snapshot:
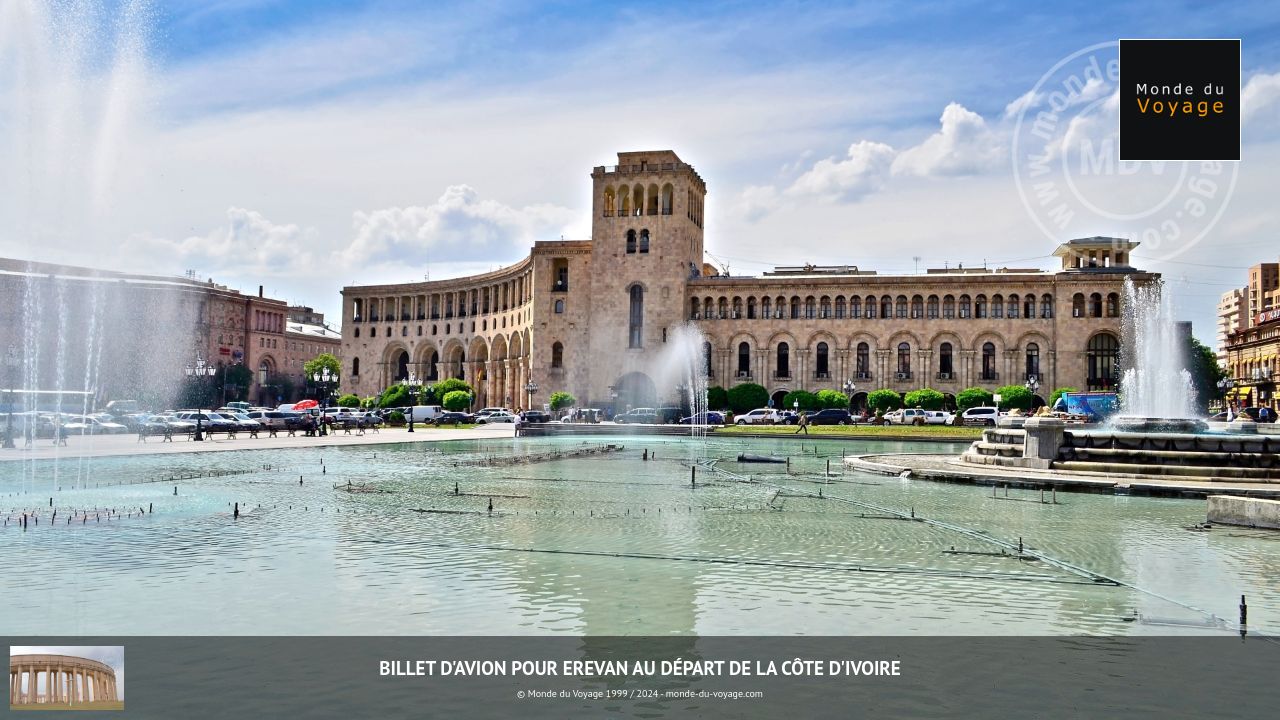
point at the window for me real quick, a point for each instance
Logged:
(635, 334)
(357, 332)
(744, 360)
(631, 242)
(839, 307)
(949, 307)
(1033, 361)
(988, 361)
(751, 308)
(557, 355)
(766, 308)
(855, 307)
(864, 360)
(886, 307)
(945, 363)
(932, 308)
(355, 367)
(1077, 305)
(373, 332)
(980, 306)
(795, 308)
(559, 307)
(1095, 305)
(821, 364)
(1103, 352)
(644, 242)
(1046, 306)
(1029, 307)
(917, 307)
(1113, 305)
(1013, 307)
(964, 306)
(997, 306)
(904, 359)
(784, 361)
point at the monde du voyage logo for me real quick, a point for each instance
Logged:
(1180, 100)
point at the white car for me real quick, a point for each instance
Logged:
(938, 417)
(759, 416)
(907, 416)
(496, 417)
(893, 417)
(981, 416)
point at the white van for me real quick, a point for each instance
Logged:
(426, 413)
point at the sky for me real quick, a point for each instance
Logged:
(308, 145)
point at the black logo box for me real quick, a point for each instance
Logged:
(1157, 80)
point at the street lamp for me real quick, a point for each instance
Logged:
(409, 383)
(1033, 385)
(1225, 385)
(10, 362)
(849, 387)
(323, 378)
(199, 370)
(531, 388)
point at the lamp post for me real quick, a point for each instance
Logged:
(531, 388)
(849, 387)
(323, 378)
(409, 383)
(10, 362)
(1225, 385)
(1033, 385)
(198, 371)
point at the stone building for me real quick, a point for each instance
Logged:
(593, 317)
(1250, 349)
(306, 335)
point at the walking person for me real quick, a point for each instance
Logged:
(802, 423)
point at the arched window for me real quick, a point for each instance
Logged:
(706, 360)
(653, 200)
(559, 306)
(904, 360)
(820, 366)
(637, 200)
(1103, 352)
(945, 363)
(667, 193)
(722, 308)
(355, 367)
(964, 306)
(864, 361)
(357, 332)
(1095, 305)
(949, 307)
(1029, 307)
(824, 307)
(737, 308)
(373, 332)
(624, 208)
(917, 307)
(1077, 305)
(1014, 304)
(644, 242)
(751, 308)
(1113, 305)
(635, 330)
(1033, 361)
(886, 307)
(980, 306)
(610, 201)
(631, 242)
(557, 355)
(402, 365)
(744, 359)
(932, 308)
(795, 308)
(840, 307)
(989, 361)
(784, 361)
(997, 306)
(900, 307)
(433, 367)
(766, 308)
(1046, 306)
(780, 307)
(809, 309)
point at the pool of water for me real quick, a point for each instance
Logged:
(600, 545)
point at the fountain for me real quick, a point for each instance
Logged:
(1157, 394)
(682, 365)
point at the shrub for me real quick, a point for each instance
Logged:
(832, 399)
(456, 400)
(395, 396)
(1053, 399)
(349, 401)
(1015, 396)
(717, 398)
(562, 400)
(803, 398)
(448, 385)
(396, 417)
(972, 397)
(747, 397)
(883, 400)
(926, 398)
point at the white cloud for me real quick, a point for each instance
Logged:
(1258, 98)
(459, 226)
(247, 244)
(757, 201)
(963, 146)
(863, 171)
(1025, 101)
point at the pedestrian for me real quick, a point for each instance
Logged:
(802, 424)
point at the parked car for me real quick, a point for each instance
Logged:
(710, 417)
(496, 417)
(907, 416)
(637, 415)
(454, 418)
(980, 416)
(90, 425)
(153, 425)
(938, 417)
(831, 416)
(759, 416)
(242, 420)
(273, 419)
(535, 416)
(1259, 414)
(423, 413)
(668, 415)
(492, 410)
(208, 420)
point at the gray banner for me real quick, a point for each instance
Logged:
(711, 677)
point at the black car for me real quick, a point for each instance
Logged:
(831, 416)
(454, 418)
(535, 416)
(637, 415)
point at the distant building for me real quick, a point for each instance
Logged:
(1233, 316)
(595, 317)
(306, 336)
(1250, 349)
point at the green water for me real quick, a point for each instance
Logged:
(598, 545)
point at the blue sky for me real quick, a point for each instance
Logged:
(306, 145)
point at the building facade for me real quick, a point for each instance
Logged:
(306, 335)
(1249, 351)
(598, 317)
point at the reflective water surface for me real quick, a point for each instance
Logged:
(601, 544)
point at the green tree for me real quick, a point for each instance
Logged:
(805, 399)
(319, 363)
(1015, 396)
(1205, 373)
(448, 385)
(349, 401)
(370, 402)
(883, 400)
(926, 398)
(972, 397)
(236, 379)
(717, 398)
(560, 400)
(747, 397)
(456, 400)
(832, 399)
(1053, 399)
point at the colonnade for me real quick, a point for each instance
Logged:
(58, 679)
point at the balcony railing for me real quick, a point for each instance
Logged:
(989, 376)
(862, 375)
(784, 376)
(822, 375)
(945, 376)
(743, 375)
(902, 375)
